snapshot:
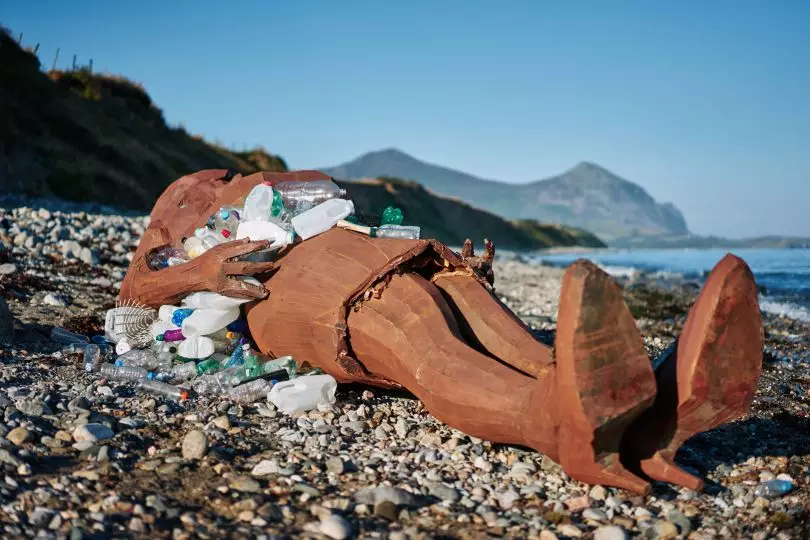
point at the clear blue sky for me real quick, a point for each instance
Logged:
(705, 104)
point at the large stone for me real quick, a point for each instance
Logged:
(92, 432)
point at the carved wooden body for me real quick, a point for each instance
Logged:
(414, 314)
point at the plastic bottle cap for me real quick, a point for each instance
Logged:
(119, 363)
(224, 214)
(150, 376)
(183, 395)
(226, 233)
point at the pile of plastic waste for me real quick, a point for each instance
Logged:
(203, 347)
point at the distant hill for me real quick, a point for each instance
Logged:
(452, 221)
(86, 137)
(586, 196)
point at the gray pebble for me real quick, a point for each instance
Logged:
(444, 492)
(335, 465)
(336, 527)
(195, 445)
(244, 483)
(92, 432)
(32, 407)
(610, 532)
(399, 497)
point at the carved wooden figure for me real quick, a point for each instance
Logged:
(414, 314)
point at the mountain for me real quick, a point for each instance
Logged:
(88, 137)
(586, 196)
(452, 221)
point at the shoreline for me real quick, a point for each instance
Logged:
(265, 473)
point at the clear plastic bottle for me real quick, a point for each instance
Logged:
(265, 230)
(66, 337)
(78, 348)
(225, 221)
(142, 358)
(237, 358)
(184, 371)
(128, 373)
(193, 246)
(203, 322)
(212, 300)
(249, 392)
(92, 357)
(287, 363)
(301, 196)
(405, 232)
(166, 257)
(303, 394)
(771, 489)
(214, 383)
(164, 389)
(321, 218)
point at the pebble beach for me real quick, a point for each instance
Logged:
(84, 457)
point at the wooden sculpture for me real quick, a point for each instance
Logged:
(414, 314)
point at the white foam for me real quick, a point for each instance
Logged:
(788, 309)
(619, 271)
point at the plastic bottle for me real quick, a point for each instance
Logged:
(405, 232)
(184, 371)
(167, 257)
(66, 337)
(209, 238)
(303, 394)
(237, 358)
(164, 389)
(158, 328)
(321, 218)
(175, 334)
(194, 247)
(78, 348)
(772, 489)
(301, 196)
(92, 357)
(129, 373)
(203, 322)
(123, 346)
(265, 230)
(214, 383)
(287, 363)
(249, 392)
(143, 358)
(180, 314)
(225, 221)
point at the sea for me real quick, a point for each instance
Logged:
(783, 275)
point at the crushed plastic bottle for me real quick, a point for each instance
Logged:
(92, 357)
(321, 218)
(391, 216)
(172, 335)
(225, 221)
(237, 358)
(773, 489)
(405, 232)
(249, 392)
(287, 363)
(214, 383)
(127, 373)
(145, 358)
(203, 322)
(164, 389)
(299, 197)
(265, 230)
(66, 337)
(167, 257)
(303, 394)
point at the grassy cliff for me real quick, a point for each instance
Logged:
(87, 137)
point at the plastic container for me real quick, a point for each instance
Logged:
(128, 373)
(773, 489)
(321, 218)
(258, 203)
(265, 230)
(203, 322)
(166, 257)
(304, 393)
(301, 196)
(180, 315)
(212, 300)
(92, 357)
(164, 389)
(405, 232)
(66, 337)
(249, 392)
(197, 347)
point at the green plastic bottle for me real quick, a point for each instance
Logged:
(391, 216)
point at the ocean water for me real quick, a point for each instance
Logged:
(784, 273)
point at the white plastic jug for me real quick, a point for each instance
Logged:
(207, 321)
(321, 218)
(265, 230)
(258, 203)
(212, 300)
(196, 347)
(304, 393)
